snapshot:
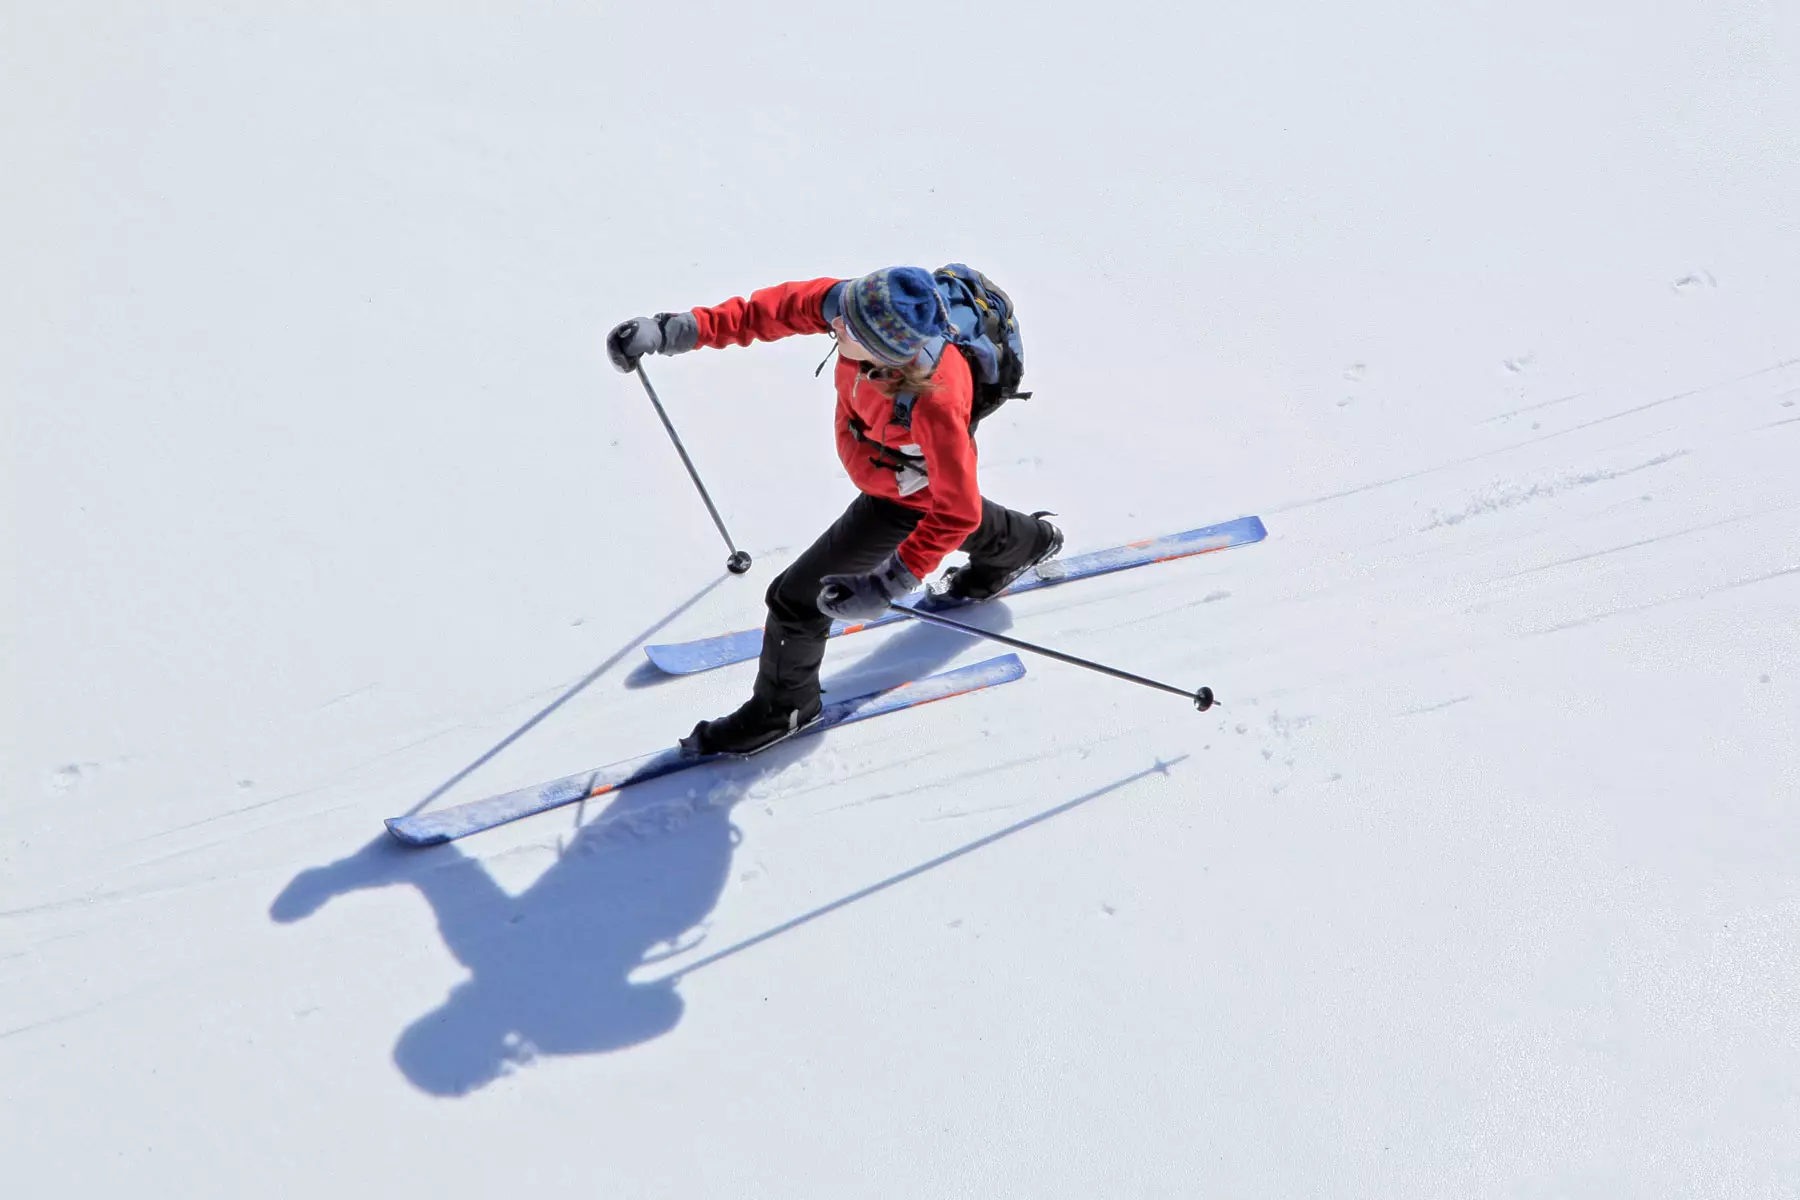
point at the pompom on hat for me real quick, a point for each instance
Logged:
(894, 312)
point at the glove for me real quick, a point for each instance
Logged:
(865, 597)
(665, 333)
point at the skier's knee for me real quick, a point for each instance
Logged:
(794, 601)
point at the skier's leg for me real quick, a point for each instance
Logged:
(786, 693)
(1003, 547)
(794, 635)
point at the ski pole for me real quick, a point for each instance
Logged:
(739, 562)
(1203, 699)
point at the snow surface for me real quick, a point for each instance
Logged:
(321, 503)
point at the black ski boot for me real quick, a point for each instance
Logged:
(756, 725)
(983, 581)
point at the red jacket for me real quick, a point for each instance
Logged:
(951, 502)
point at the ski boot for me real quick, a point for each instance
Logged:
(756, 725)
(981, 581)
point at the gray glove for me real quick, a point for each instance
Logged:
(665, 333)
(865, 597)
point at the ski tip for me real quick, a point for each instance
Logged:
(407, 834)
(681, 660)
(690, 658)
(1002, 669)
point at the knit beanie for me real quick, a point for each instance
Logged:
(894, 312)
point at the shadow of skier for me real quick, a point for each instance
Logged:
(550, 968)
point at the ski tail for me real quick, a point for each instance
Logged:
(461, 820)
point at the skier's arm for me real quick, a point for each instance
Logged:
(770, 313)
(941, 427)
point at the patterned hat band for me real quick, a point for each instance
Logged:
(893, 313)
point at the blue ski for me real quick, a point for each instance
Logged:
(446, 824)
(688, 658)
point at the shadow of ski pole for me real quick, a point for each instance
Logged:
(574, 690)
(1160, 768)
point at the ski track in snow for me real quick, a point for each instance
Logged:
(1438, 707)
(1676, 598)
(1503, 496)
(1528, 443)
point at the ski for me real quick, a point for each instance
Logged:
(447, 824)
(704, 654)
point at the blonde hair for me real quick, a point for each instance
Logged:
(914, 377)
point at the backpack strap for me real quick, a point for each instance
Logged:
(885, 455)
(903, 410)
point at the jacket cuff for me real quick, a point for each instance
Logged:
(897, 576)
(680, 332)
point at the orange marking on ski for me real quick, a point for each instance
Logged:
(951, 695)
(1191, 553)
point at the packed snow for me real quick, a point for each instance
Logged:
(323, 506)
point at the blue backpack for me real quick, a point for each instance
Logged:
(984, 327)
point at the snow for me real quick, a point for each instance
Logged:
(322, 504)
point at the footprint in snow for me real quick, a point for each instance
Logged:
(71, 776)
(1286, 727)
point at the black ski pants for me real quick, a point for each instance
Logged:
(860, 540)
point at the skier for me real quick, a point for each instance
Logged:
(903, 433)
